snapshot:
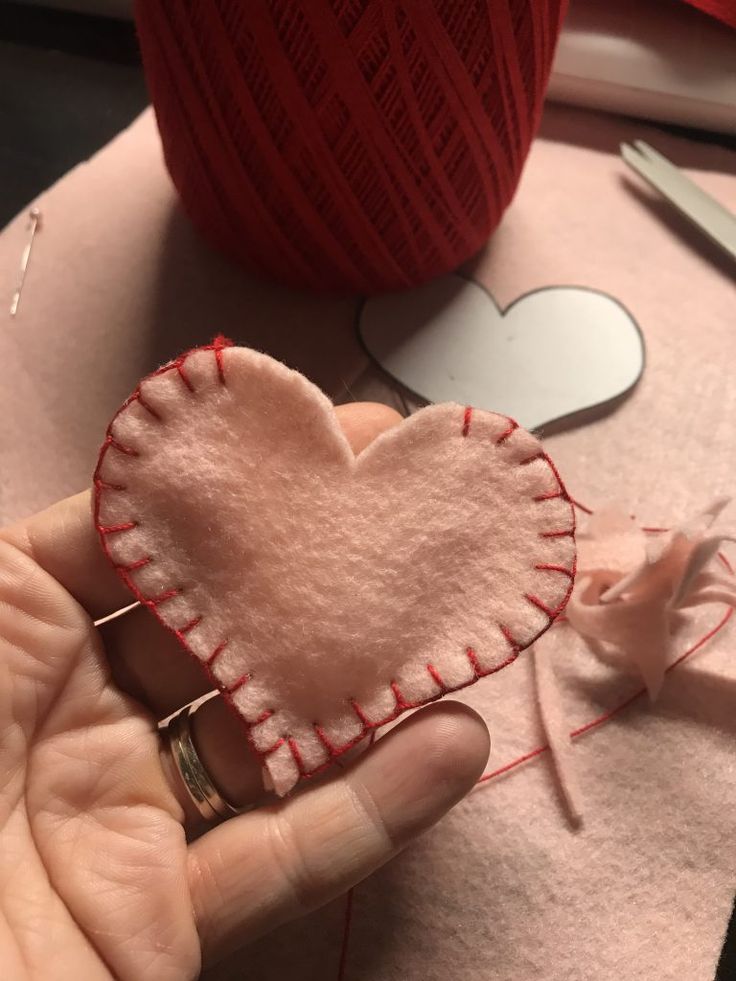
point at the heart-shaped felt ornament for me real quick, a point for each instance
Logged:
(326, 593)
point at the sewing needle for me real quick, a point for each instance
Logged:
(35, 221)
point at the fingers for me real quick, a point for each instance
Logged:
(255, 871)
(230, 763)
(63, 541)
(148, 662)
(221, 743)
(362, 422)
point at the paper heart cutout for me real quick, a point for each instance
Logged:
(552, 354)
(327, 593)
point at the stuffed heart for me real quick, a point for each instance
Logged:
(327, 593)
(551, 355)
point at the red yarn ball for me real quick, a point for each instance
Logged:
(347, 144)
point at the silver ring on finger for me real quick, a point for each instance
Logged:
(197, 782)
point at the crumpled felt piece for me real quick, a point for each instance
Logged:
(326, 593)
(637, 612)
(630, 616)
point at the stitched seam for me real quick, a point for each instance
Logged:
(227, 691)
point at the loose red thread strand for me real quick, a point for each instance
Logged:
(606, 716)
(539, 750)
(579, 506)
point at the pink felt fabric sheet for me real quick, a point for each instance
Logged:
(502, 889)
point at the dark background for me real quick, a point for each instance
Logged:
(68, 84)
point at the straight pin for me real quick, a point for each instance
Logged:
(34, 224)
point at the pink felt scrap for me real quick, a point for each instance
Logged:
(327, 593)
(628, 603)
(637, 610)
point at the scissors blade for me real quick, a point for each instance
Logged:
(710, 216)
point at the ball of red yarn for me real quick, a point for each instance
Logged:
(347, 144)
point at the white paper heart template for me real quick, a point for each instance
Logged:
(553, 354)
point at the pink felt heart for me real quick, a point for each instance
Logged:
(327, 593)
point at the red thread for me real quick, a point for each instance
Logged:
(473, 658)
(387, 205)
(297, 756)
(322, 736)
(281, 741)
(216, 653)
(466, 420)
(236, 685)
(189, 626)
(549, 496)
(533, 458)
(560, 483)
(535, 601)
(401, 702)
(218, 344)
(513, 643)
(133, 566)
(127, 450)
(360, 713)
(179, 365)
(367, 725)
(580, 507)
(162, 597)
(114, 529)
(606, 716)
(513, 426)
(567, 533)
(104, 485)
(549, 567)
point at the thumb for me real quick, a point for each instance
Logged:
(257, 870)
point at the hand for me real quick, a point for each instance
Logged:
(100, 873)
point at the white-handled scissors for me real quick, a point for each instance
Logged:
(717, 222)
